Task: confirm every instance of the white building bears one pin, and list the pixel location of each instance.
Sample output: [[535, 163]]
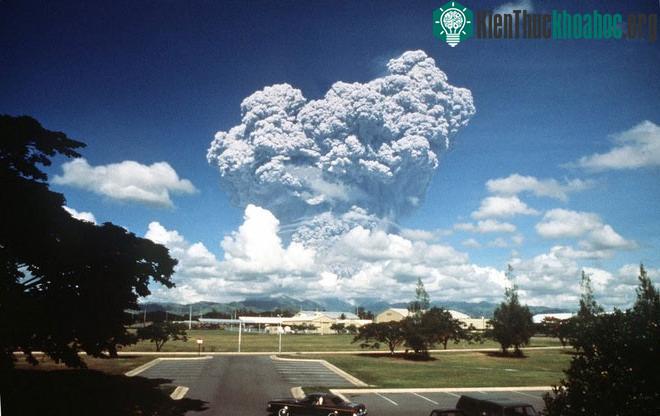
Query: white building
[[398, 314]]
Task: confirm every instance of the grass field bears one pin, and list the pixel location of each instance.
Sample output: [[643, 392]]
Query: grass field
[[456, 369], [225, 341]]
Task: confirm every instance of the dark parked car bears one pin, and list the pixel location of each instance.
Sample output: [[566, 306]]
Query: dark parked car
[[474, 406], [447, 412], [317, 404]]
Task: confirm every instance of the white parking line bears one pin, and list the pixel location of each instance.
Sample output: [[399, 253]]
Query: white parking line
[[426, 398], [389, 400], [527, 394], [452, 394], [179, 392]]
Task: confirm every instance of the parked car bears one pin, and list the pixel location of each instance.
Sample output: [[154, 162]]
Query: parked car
[[316, 404], [475, 406], [447, 412]]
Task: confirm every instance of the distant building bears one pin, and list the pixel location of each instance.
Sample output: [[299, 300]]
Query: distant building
[[392, 315], [321, 321], [398, 314]]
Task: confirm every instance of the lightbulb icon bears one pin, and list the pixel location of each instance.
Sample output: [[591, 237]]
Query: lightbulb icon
[[453, 21]]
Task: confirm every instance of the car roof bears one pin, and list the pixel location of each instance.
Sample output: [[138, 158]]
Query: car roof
[[329, 395]]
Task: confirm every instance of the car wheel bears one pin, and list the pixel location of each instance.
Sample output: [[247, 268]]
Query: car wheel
[[283, 412], [333, 414]]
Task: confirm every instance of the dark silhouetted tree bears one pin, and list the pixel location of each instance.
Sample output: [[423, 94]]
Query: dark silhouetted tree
[[435, 326], [615, 370], [512, 324], [161, 332], [340, 328], [372, 335], [65, 284]]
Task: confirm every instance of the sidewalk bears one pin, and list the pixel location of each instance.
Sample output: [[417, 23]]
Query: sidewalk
[[450, 350]]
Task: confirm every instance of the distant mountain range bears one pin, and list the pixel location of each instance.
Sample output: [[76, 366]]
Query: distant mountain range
[[268, 303]]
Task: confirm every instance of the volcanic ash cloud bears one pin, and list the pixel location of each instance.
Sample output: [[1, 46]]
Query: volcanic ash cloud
[[369, 147]]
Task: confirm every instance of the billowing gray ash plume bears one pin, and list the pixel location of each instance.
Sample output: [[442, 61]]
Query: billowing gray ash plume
[[368, 148]]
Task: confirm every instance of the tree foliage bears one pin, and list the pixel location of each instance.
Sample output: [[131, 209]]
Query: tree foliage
[[512, 324], [422, 300], [161, 332], [64, 283], [372, 335], [616, 368], [435, 326]]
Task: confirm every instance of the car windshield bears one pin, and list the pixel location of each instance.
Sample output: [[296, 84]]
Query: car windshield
[[337, 400]]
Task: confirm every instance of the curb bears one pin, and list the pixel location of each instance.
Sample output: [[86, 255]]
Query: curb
[[155, 361], [348, 352], [441, 390]]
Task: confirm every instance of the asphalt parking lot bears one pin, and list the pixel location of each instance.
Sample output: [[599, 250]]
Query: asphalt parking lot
[[309, 373], [421, 403], [181, 372]]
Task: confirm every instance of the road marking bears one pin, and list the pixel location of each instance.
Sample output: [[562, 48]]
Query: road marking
[[389, 400], [527, 394], [452, 394], [444, 389], [426, 398], [141, 368], [308, 362], [153, 362], [179, 392]]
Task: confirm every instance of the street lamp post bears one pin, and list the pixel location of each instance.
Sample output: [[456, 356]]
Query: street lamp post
[[280, 333]]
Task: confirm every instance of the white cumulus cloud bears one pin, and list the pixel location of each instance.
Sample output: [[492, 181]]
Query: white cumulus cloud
[[486, 226], [515, 184], [563, 223], [636, 148], [126, 181], [83, 216], [257, 248], [502, 206]]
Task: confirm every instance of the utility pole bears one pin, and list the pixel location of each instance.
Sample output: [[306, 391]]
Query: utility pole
[[190, 319], [239, 336], [280, 333], [144, 317]]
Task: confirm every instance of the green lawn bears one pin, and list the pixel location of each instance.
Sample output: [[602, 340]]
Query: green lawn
[[225, 341], [456, 369]]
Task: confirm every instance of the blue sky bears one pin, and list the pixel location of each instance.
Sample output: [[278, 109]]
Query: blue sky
[[153, 82]]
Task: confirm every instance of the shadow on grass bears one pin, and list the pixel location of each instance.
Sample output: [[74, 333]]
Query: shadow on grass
[[400, 356], [89, 392], [500, 354]]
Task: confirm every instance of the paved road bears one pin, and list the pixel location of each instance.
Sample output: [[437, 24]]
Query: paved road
[[309, 373], [241, 386], [421, 404], [231, 385]]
